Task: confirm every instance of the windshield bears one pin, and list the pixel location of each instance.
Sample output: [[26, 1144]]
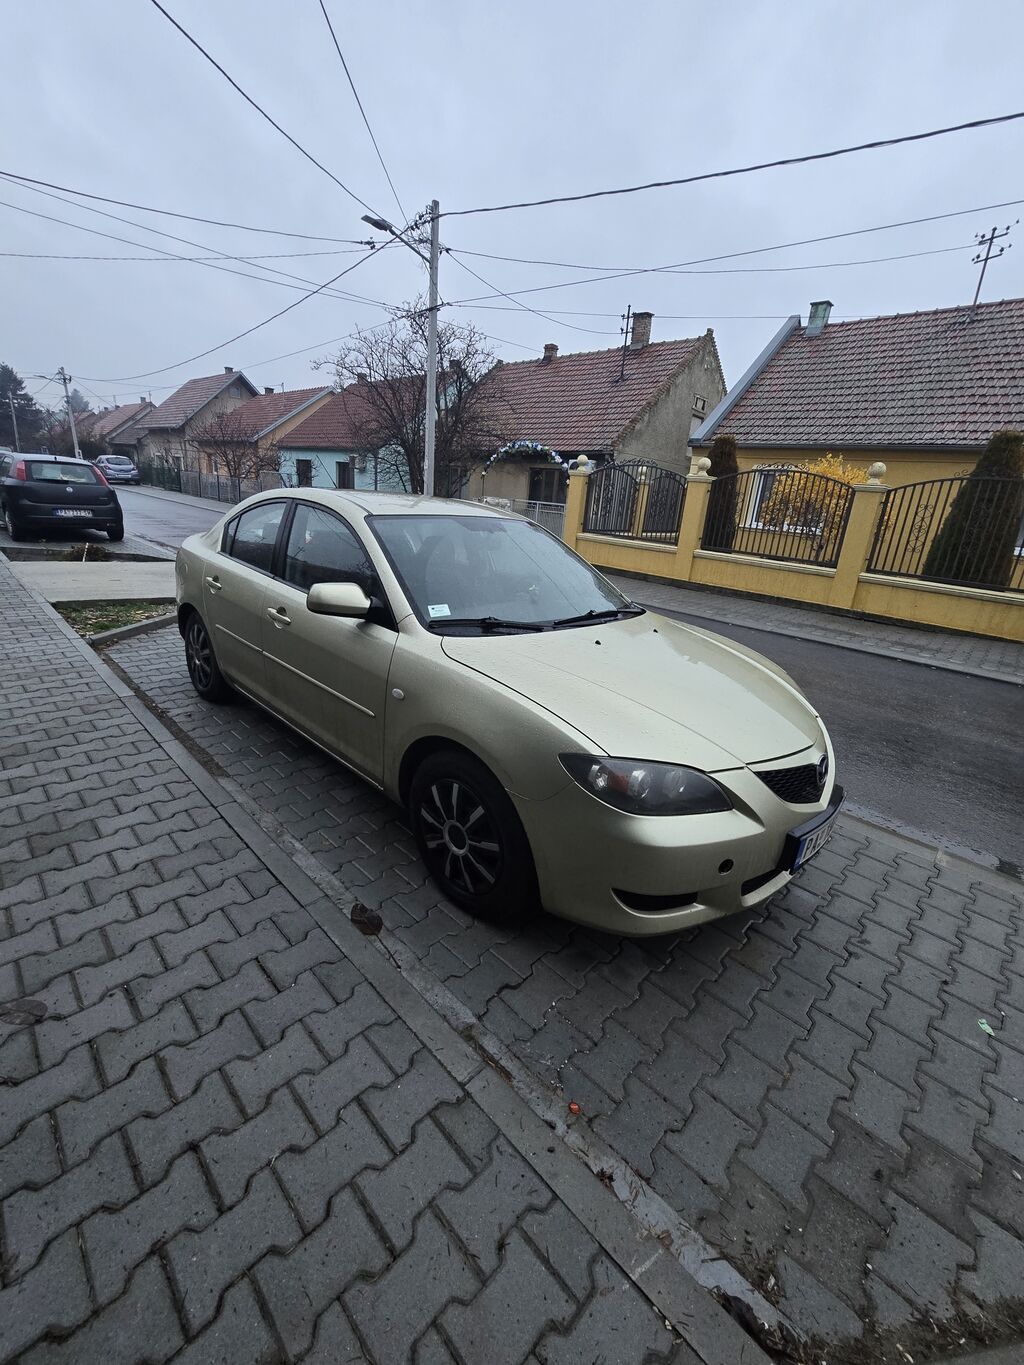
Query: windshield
[[47, 471], [490, 572]]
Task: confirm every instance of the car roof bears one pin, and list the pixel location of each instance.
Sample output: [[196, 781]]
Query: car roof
[[55, 459], [370, 504]]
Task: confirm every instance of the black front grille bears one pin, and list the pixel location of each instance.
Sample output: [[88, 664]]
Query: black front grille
[[799, 786]]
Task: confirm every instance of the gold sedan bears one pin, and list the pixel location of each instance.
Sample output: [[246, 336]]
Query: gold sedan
[[551, 740]]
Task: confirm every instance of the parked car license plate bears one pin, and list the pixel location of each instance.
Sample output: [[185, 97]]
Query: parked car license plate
[[814, 842], [72, 512]]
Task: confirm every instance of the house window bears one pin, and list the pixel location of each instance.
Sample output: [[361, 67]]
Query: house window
[[760, 491], [304, 473], [547, 485], [699, 404]]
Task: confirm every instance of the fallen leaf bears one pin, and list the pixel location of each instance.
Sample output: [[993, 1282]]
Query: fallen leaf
[[986, 1027], [367, 921]]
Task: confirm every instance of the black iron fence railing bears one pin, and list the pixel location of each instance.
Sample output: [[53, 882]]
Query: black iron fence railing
[[964, 531], [786, 514], [635, 500]]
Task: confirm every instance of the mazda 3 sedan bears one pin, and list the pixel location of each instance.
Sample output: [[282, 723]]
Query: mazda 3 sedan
[[552, 741]]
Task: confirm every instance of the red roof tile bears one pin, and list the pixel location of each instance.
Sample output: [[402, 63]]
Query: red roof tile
[[114, 418], [334, 425], [259, 414], [946, 378], [577, 402], [191, 398]]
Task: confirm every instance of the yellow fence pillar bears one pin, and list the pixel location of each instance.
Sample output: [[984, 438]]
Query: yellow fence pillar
[[691, 525], [860, 534], [575, 506]]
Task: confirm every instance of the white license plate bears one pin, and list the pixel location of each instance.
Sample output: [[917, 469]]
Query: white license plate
[[814, 842], [72, 512]]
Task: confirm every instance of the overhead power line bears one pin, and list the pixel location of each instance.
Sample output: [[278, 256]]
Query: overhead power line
[[875, 145], [273, 256], [500, 293], [128, 378], [750, 251], [359, 102], [259, 108], [171, 213]]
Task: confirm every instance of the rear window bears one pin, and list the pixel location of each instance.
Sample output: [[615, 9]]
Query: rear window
[[53, 471]]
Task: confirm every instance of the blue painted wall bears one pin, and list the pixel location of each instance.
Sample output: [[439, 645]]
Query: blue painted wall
[[324, 468]]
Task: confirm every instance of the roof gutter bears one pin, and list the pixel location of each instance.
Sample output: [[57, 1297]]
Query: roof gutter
[[703, 434]]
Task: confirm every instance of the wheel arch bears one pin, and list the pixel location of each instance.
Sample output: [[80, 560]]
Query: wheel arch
[[421, 749]]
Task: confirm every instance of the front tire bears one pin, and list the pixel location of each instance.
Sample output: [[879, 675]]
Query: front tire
[[471, 838], [206, 677]]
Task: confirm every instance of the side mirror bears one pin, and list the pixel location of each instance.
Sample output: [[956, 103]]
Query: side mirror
[[338, 599]]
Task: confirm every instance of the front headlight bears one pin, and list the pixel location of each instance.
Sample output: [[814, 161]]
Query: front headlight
[[646, 788]]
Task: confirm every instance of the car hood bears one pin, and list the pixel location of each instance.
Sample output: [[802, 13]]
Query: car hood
[[649, 687]]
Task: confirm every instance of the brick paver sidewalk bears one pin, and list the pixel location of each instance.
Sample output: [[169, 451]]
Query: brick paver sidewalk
[[229, 1129], [807, 1086], [981, 657]]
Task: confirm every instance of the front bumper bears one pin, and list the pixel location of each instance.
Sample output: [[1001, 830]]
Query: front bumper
[[641, 875]]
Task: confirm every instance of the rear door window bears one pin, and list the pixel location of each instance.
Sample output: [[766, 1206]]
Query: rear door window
[[253, 535], [53, 471]]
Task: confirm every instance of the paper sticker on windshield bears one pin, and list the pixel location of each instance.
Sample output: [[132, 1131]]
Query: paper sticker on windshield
[[439, 609]]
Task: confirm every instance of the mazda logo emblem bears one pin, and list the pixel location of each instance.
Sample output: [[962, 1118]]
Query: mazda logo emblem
[[822, 769]]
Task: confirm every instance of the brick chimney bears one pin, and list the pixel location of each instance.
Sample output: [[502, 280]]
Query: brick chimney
[[142, 400], [550, 351], [640, 335], [818, 317], [266, 390], [229, 369]]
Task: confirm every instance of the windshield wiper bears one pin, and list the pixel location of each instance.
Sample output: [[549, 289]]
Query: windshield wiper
[[607, 615], [486, 623]]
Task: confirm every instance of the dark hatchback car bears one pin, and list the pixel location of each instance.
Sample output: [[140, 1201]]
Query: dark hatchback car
[[40, 493]]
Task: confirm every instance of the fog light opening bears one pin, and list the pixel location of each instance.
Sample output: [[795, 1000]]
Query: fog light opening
[[726, 866]]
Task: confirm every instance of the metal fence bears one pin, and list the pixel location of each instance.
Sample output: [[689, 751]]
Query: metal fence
[[783, 514], [550, 515], [219, 487], [637, 500], [963, 531]]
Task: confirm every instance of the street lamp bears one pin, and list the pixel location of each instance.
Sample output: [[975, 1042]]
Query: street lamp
[[430, 426]]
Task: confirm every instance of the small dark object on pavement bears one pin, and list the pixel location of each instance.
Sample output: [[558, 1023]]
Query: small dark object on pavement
[[367, 921]]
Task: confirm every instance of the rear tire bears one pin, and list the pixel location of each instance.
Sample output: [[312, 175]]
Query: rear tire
[[116, 534], [206, 676], [471, 839], [14, 527]]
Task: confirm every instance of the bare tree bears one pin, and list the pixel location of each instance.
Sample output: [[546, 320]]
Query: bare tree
[[388, 363], [232, 447]]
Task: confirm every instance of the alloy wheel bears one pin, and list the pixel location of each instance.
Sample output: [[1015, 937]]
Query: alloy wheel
[[199, 655], [462, 839]]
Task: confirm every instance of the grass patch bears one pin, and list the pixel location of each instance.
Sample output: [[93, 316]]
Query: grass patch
[[89, 618]]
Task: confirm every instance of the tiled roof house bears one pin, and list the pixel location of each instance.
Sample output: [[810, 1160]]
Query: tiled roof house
[[637, 402], [169, 432], [255, 429], [922, 392]]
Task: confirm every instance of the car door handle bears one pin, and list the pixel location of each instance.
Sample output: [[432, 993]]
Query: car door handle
[[213, 583], [279, 616]]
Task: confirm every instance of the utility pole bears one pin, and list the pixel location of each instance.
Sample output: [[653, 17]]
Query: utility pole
[[430, 429], [625, 339], [14, 420], [988, 241], [63, 376]]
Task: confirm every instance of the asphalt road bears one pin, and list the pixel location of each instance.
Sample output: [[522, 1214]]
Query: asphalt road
[[935, 754], [168, 521]]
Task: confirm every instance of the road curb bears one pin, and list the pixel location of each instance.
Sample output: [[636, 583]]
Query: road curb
[[117, 633]]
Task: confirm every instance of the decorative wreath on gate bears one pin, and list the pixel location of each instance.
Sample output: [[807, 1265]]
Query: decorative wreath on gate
[[534, 449]]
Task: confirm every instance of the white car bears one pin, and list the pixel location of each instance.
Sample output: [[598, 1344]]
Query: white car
[[551, 740]]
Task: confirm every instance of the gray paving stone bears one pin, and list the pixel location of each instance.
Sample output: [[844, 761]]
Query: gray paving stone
[[920, 1259], [115, 1243], [205, 1263], [75, 1075], [253, 1079], [709, 1137], [186, 1065], [330, 1090], [311, 1178], [82, 1123], [998, 1272], [468, 1128], [31, 1159], [808, 1304], [121, 1049], [334, 1029], [298, 1287], [233, 1158], [783, 1154], [156, 1142], [486, 1209], [141, 1325], [237, 1336], [33, 1218], [879, 1107], [335, 1343], [210, 1005], [394, 1310], [807, 1094], [400, 1191], [271, 1011], [515, 1306], [948, 1118], [638, 1125]]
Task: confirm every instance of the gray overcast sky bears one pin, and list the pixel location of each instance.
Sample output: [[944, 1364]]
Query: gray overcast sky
[[479, 104]]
